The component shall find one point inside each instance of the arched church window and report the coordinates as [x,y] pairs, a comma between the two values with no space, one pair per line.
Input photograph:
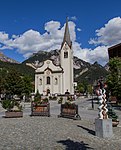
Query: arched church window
[40,81]
[56,81]
[48,80]
[65,54]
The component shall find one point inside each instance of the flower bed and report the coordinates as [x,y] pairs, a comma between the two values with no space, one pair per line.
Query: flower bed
[13,114]
[40,110]
[40,106]
[13,107]
[112,115]
[115,123]
[69,110]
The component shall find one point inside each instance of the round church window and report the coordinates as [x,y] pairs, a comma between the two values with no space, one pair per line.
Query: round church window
[48,62]
[47,72]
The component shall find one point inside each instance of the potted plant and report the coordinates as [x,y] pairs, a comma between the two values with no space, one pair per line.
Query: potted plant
[112,115]
[60,100]
[40,106]
[13,108]
[69,109]
[53,98]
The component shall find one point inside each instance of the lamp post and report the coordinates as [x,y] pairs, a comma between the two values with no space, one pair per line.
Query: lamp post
[92,99]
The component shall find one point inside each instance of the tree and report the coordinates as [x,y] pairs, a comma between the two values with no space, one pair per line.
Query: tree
[13,83]
[111,113]
[80,88]
[90,89]
[114,78]
[3,73]
[27,85]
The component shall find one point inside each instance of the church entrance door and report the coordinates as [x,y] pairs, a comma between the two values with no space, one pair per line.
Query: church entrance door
[48,91]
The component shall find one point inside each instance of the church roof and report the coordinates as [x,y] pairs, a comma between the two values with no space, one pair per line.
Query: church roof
[67,36]
[49,65]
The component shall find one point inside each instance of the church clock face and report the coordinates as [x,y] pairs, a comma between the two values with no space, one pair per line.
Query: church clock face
[48,62]
[47,72]
[65,47]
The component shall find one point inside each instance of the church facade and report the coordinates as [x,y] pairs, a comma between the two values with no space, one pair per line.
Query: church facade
[57,79]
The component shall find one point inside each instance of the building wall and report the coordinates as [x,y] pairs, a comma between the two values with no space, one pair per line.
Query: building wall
[55,86]
[67,65]
[63,73]
[114,51]
[55,75]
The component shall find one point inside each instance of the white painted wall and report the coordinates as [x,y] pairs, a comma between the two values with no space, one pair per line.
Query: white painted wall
[48,69]
[63,73]
[67,65]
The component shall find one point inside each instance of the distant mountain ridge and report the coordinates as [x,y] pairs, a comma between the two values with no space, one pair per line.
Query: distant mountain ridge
[83,71]
[7,59]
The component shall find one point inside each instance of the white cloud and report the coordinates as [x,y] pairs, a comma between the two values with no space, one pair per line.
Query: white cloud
[78,29]
[110,34]
[3,37]
[32,41]
[73,18]
[52,26]
[99,54]
[72,27]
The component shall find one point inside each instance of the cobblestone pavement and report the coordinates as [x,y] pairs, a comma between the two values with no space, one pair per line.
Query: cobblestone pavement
[53,133]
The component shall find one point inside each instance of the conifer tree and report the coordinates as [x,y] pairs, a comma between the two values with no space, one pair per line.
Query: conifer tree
[114,78]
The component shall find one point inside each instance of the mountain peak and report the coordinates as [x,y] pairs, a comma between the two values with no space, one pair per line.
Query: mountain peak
[7,59]
[82,70]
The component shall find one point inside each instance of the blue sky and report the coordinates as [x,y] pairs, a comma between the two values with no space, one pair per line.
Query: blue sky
[27,26]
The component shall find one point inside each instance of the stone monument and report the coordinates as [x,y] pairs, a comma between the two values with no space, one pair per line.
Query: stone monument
[103,125]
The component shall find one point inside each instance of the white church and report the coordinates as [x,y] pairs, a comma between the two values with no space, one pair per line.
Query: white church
[57,79]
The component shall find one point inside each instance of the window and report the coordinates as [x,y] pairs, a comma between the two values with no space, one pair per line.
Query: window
[65,54]
[48,80]
[40,81]
[56,81]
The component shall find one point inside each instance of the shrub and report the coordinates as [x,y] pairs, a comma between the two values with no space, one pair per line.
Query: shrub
[9,105]
[111,113]
[60,100]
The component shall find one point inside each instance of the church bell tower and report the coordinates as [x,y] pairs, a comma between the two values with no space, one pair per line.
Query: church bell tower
[66,60]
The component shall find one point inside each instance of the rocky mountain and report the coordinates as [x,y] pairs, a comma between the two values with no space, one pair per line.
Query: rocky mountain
[21,68]
[7,59]
[83,71]
[107,66]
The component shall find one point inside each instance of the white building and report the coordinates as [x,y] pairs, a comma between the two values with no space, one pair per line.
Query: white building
[51,78]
